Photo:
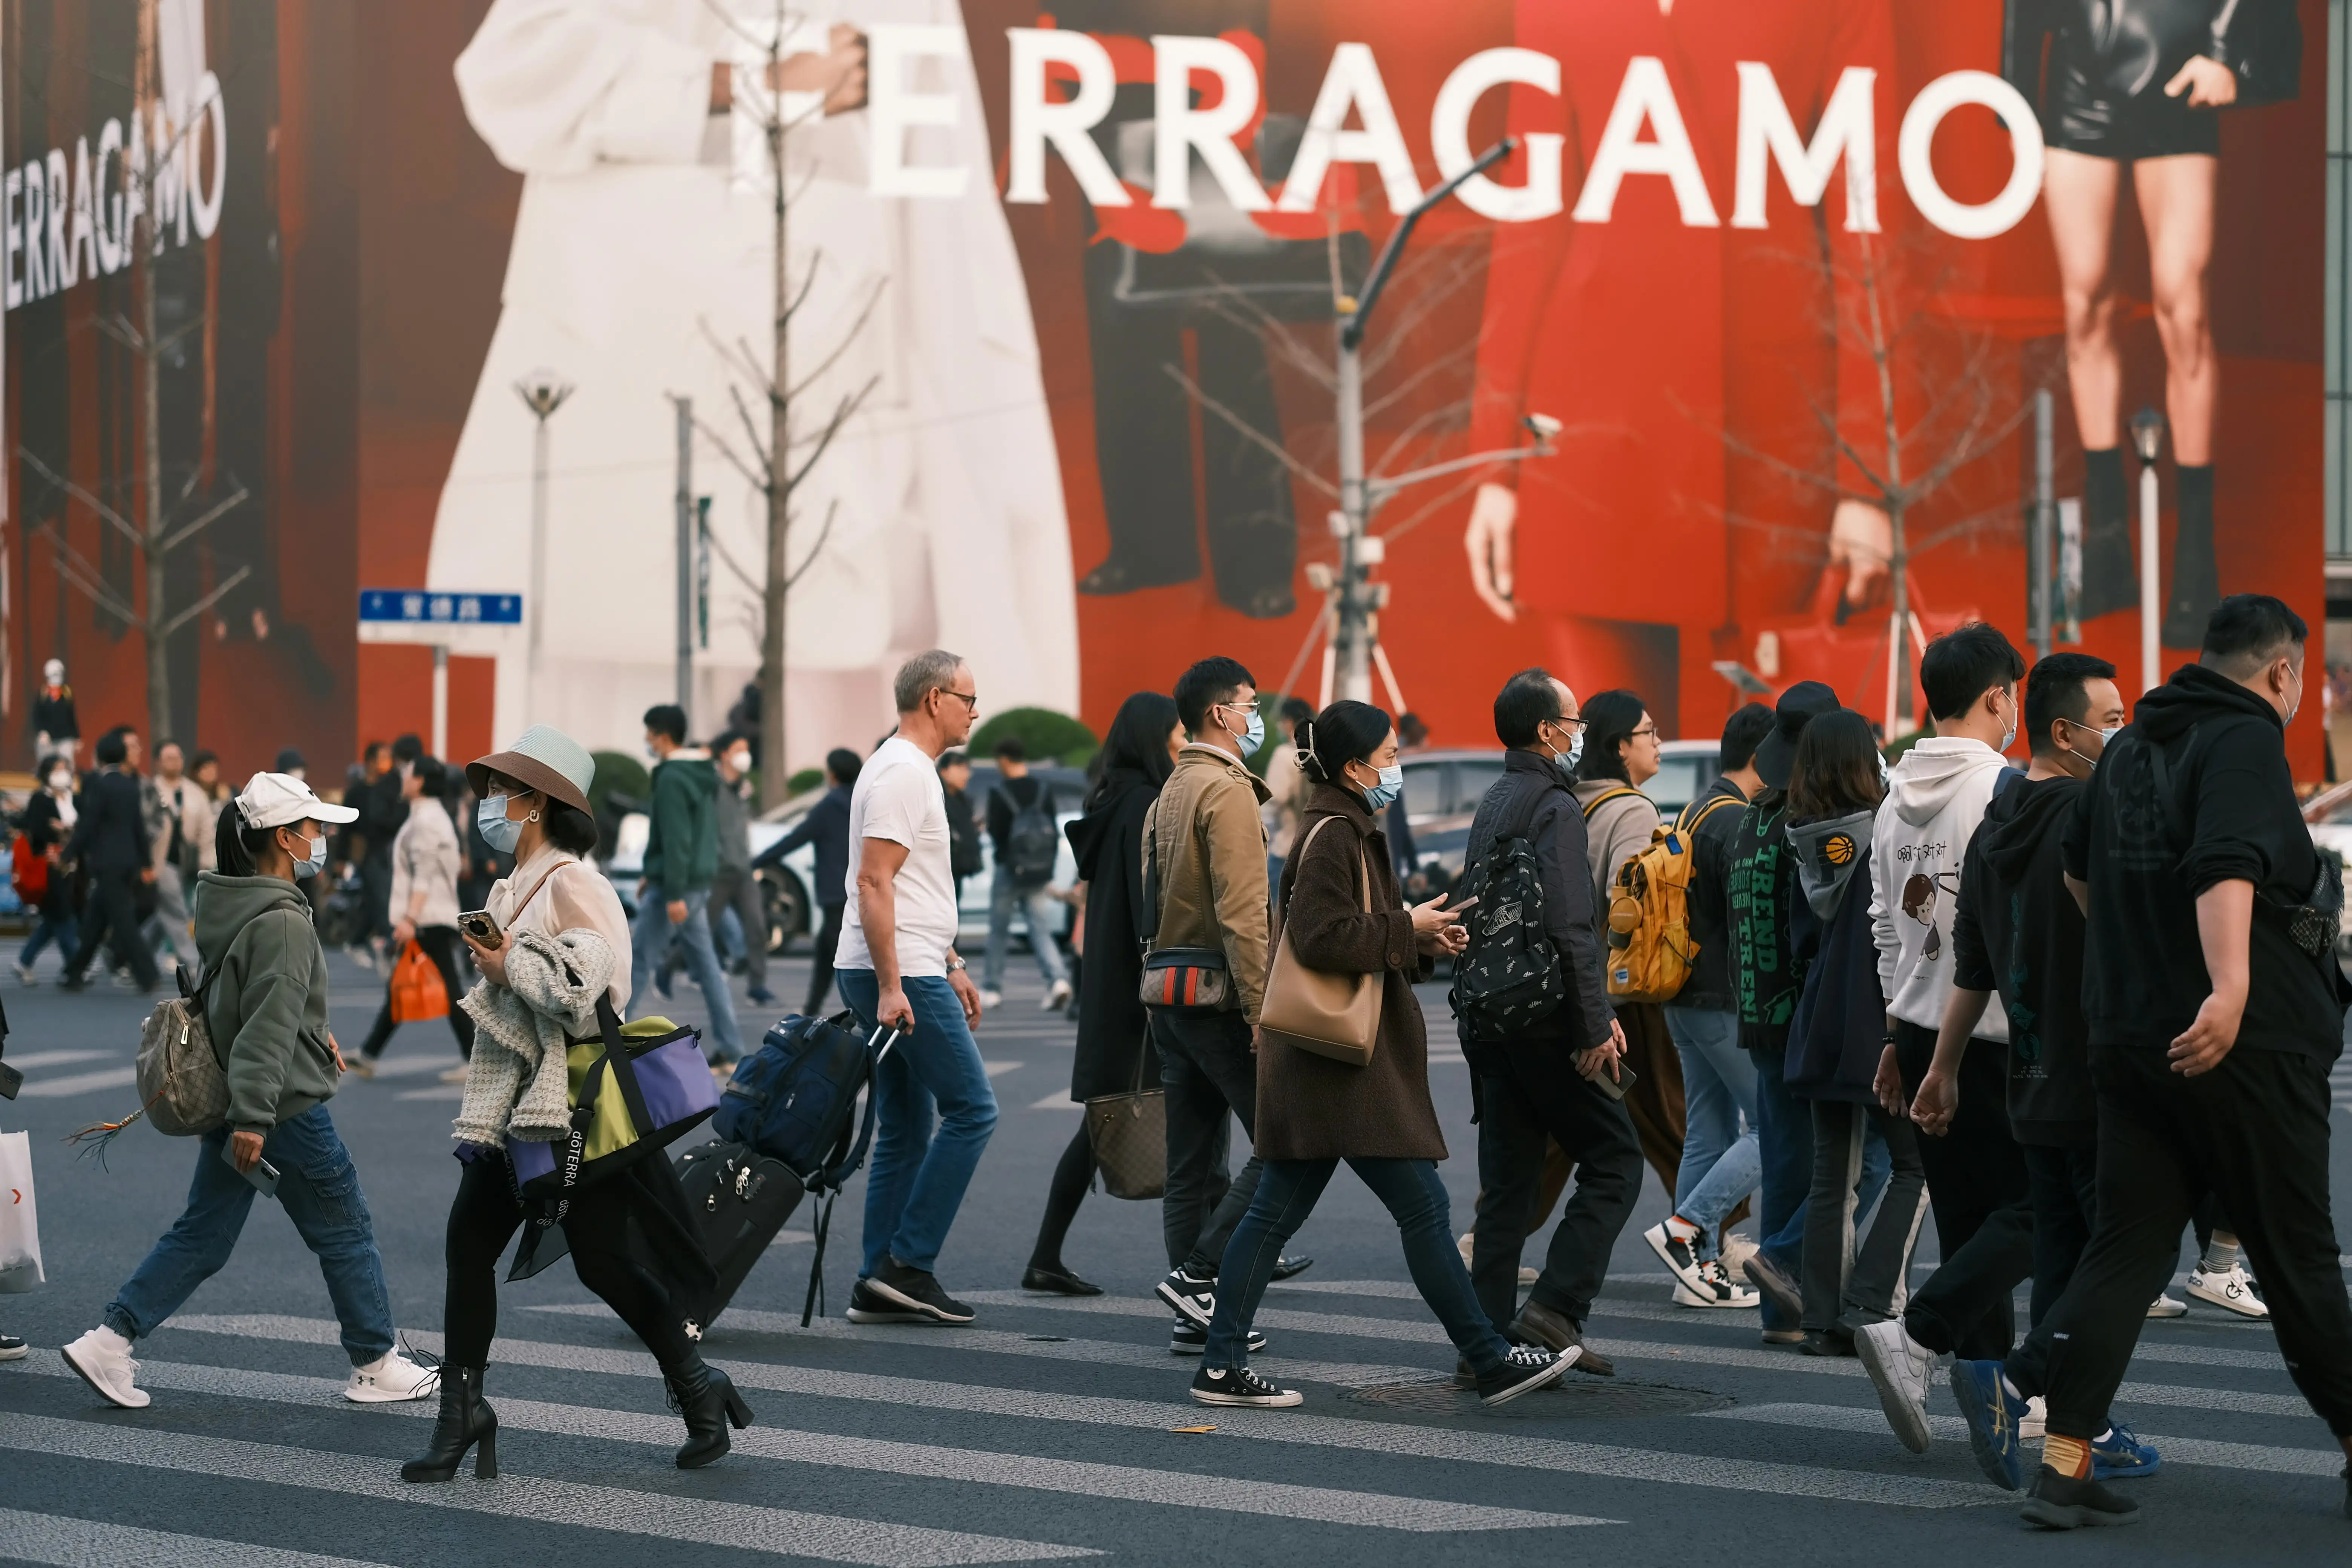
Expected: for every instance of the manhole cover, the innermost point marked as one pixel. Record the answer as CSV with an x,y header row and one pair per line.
x,y
1577,1398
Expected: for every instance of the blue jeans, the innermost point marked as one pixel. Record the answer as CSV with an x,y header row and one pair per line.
x,y
917,1181
1287,1193
322,1197
652,937
1721,1163
1784,1142
59,925
1038,904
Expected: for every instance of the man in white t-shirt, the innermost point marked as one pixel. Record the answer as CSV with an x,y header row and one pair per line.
x,y
898,965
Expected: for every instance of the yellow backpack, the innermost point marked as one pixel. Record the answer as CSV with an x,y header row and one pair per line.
x,y
1651,952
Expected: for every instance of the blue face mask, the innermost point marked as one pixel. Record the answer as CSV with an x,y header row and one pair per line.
x,y
1254,736
1383,793
498,832
306,870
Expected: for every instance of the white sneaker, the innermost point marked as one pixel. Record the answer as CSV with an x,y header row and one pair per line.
x,y
2230,1290
1527,1276
989,999
1722,1290
103,1359
389,1378
24,975
1900,1368
2168,1306
1736,1250
1058,997
2034,1425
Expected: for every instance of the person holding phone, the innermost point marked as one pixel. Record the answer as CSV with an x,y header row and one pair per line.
x,y
265,1000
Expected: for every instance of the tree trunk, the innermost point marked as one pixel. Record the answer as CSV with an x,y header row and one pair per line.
x,y
150,470
774,772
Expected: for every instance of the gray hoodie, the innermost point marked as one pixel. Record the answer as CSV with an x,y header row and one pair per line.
x,y
1823,864
1935,798
266,1006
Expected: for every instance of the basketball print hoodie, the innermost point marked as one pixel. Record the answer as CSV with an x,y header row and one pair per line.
x,y
1934,798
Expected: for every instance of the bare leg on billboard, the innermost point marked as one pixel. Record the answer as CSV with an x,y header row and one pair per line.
x,y
2079,191
2176,199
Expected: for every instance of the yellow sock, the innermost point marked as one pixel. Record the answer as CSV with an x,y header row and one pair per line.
x,y
2067,1455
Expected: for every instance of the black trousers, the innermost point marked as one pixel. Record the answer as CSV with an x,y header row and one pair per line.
x,y
484,1218
2065,1202
828,942
1983,1200
1530,1094
1842,1285
440,945
737,888
2253,1133
1210,1073
112,907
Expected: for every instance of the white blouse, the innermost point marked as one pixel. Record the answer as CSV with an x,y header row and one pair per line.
x,y
576,895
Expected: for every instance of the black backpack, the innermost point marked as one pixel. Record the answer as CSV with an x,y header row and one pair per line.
x,y
1509,975
1034,844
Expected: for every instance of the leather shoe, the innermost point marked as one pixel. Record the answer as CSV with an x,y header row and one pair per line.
x,y
1056,1281
1538,1324
1775,1285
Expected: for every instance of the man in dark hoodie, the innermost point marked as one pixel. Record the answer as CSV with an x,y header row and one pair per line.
x,y
682,858
2015,929
2215,1010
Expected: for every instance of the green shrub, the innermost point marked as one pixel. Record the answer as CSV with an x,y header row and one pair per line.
x,y
617,771
1046,735
802,781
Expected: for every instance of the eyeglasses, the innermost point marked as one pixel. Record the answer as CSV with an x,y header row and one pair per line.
x,y
970,700
1570,718
1637,735
1249,707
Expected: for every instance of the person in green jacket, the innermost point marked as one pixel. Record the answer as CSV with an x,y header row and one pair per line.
x,y
681,857
265,1001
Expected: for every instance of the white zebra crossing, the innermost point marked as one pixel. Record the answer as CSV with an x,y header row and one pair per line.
x,y
2256,1456
66,1543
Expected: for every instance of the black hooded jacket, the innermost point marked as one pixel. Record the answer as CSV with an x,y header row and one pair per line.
x,y
2017,930
2231,815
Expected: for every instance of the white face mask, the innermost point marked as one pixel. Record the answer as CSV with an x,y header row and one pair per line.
x,y
2008,736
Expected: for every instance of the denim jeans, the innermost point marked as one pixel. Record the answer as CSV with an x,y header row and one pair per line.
x,y
1784,1141
322,1197
651,939
1415,1198
917,1179
57,924
1038,904
1721,1163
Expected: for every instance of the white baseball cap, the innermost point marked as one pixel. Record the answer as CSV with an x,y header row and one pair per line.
x,y
273,800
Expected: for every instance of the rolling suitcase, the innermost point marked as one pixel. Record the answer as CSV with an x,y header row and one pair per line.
x,y
739,1198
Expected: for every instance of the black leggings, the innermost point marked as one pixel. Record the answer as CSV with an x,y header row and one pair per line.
x,y
827,943
440,945
1072,1175
485,1215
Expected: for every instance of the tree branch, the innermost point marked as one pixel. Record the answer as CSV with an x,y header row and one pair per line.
x,y
751,435
1250,433
847,338
747,365
81,495
716,439
207,602
841,415
728,556
212,514
809,560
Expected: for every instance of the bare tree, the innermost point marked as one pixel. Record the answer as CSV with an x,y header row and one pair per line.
x,y
776,454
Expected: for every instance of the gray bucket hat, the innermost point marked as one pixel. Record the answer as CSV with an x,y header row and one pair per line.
x,y
547,760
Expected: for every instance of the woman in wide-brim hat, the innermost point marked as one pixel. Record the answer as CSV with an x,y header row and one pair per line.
x,y
563,943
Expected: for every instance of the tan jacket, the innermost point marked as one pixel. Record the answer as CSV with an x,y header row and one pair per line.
x,y
1211,848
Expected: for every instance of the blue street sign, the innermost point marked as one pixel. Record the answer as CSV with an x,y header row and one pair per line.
x,y
419,606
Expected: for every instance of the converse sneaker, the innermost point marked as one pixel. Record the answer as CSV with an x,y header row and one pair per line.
x,y
1900,1367
103,1359
1189,1337
389,1378
2061,1502
1525,1368
2229,1290
1721,1290
1241,1387
2168,1306
1680,1256
2120,1455
918,1291
13,1349
869,1305
1191,1298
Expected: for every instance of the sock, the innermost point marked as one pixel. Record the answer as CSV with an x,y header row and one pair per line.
x,y
2011,1389
2106,499
1681,1229
2067,1455
2220,1257
2103,1436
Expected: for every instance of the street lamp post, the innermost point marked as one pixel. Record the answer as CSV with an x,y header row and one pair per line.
x,y
2147,439
542,392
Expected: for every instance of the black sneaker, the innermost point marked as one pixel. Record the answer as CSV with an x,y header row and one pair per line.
x,y
1524,1369
1241,1387
2061,1502
1190,1339
916,1290
1775,1286
868,1305
1828,1342
13,1349
1287,1266
1191,1298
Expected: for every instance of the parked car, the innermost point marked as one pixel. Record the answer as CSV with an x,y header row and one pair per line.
x,y
788,889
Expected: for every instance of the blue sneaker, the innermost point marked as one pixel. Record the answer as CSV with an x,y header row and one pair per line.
x,y
1992,1416
2119,1455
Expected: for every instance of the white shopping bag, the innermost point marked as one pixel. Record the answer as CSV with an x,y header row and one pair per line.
x,y
20,1225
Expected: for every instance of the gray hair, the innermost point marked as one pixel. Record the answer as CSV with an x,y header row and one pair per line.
x,y
927,672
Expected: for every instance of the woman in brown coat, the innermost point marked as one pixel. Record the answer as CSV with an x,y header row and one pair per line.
x,y
1341,915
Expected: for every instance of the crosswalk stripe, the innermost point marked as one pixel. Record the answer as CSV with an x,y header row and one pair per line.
x,y
78,1083
65,1542
785,1533
1178,1489
56,1058
411,1066
1952,1429
1395,1438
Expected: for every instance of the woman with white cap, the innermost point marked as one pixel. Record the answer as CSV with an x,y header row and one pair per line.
x,y
265,999
561,943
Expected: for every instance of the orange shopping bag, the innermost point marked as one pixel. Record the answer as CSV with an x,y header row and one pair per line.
x,y
417,993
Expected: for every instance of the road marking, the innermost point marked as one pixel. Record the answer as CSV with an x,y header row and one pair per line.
x,y
782,1239
56,1059
408,1066
79,1083
90,1543
784,1532
449,1091
1175,1488
997,1069
1396,1438
1058,1100
1952,1429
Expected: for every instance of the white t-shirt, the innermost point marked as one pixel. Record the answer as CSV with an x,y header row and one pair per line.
x,y
897,797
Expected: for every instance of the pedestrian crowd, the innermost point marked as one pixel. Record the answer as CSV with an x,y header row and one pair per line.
x,y
2071,1010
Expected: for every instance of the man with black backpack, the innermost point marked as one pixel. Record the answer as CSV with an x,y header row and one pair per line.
x,y
1027,838
1535,1025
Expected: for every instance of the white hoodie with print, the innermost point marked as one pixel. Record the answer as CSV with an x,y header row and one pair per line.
x,y
1935,799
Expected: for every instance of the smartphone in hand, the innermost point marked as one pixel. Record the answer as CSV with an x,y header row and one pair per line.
x,y
481,925
264,1175
1614,1087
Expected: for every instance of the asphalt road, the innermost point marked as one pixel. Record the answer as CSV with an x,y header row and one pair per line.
x,y
1049,1429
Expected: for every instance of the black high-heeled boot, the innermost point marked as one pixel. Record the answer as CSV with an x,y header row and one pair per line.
x,y
2196,579
709,1402
465,1420
2110,565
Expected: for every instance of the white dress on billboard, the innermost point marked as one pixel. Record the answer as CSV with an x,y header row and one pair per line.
x,y
637,243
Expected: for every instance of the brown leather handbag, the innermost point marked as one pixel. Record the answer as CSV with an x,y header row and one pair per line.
x,y
1129,1134
1334,1015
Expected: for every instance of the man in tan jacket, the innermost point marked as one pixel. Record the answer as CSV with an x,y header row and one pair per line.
x,y
1205,840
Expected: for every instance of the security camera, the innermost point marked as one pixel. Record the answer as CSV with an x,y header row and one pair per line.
x,y
1544,426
